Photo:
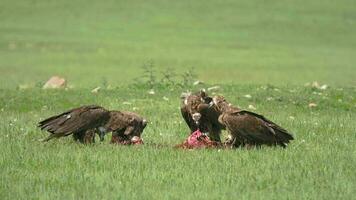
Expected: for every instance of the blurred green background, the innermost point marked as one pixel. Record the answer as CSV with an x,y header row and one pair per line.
x,y
261,53
258,42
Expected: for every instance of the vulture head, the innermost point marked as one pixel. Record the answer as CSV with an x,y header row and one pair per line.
x,y
133,131
126,127
196,104
139,125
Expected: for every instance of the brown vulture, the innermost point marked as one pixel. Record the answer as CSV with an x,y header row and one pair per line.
x,y
126,127
85,121
198,113
248,128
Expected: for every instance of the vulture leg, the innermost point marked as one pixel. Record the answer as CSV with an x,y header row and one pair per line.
x,y
78,136
89,137
85,137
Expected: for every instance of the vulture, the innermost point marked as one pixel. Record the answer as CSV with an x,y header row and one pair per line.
x,y
126,127
198,113
85,121
248,128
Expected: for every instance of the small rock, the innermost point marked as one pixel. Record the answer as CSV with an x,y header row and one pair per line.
x,y
248,96
324,87
312,105
152,92
251,107
269,98
315,84
55,82
214,88
165,98
185,95
96,90
291,117
198,83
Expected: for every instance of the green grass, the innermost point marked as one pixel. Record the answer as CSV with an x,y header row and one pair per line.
x,y
319,164
268,50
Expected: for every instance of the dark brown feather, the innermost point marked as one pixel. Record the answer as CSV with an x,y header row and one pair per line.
x,y
75,121
125,125
208,123
251,128
188,119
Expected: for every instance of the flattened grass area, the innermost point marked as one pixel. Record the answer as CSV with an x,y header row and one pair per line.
x,y
268,50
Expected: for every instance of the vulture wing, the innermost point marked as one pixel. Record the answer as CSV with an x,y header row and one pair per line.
x,y
118,121
211,114
255,128
125,125
188,119
75,120
282,133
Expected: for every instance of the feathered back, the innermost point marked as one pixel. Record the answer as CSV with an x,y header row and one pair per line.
x,y
281,133
122,119
75,120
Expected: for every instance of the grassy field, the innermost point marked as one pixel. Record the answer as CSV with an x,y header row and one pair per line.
x,y
319,164
267,50
233,41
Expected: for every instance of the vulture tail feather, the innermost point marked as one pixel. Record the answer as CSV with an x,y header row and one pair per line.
x,y
283,137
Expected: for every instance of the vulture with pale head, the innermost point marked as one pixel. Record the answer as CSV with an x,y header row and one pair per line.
x,y
248,128
85,121
198,113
